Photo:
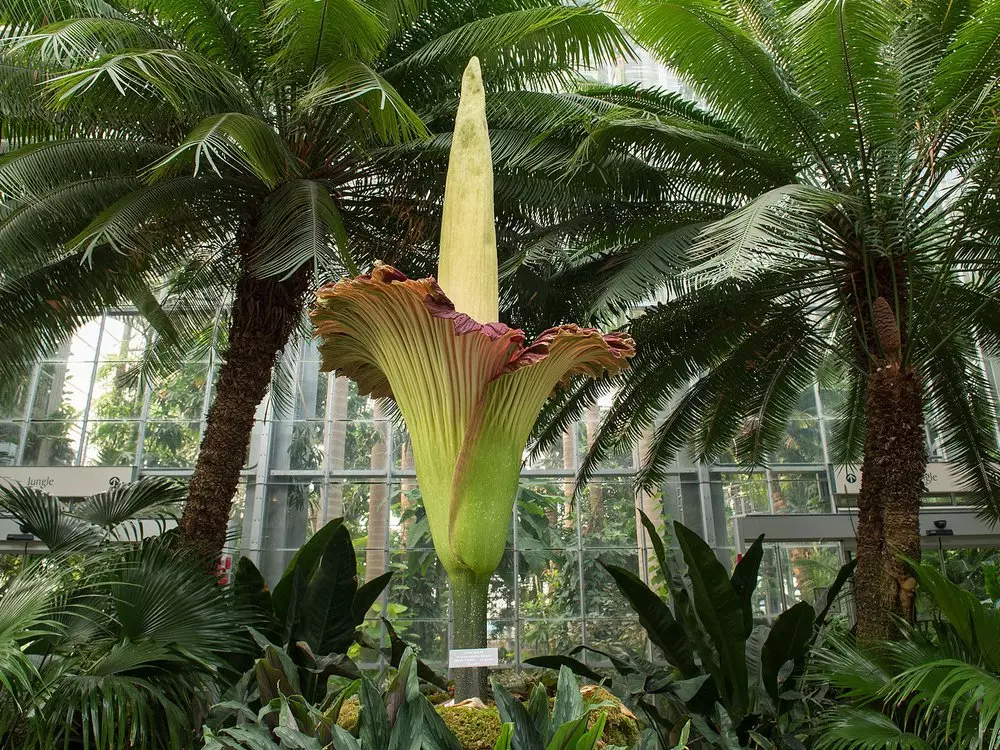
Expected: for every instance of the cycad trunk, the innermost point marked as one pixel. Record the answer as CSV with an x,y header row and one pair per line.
x,y
264,314
892,481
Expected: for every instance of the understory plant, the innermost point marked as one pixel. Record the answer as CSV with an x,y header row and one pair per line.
x,y
468,386
310,619
731,676
400,718
533,727
110,644
936,687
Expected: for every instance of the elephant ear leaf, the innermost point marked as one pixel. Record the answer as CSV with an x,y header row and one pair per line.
x,y
719,610
327,617
656,619
304,561
744,581
367,595
788,641
845,572
251,593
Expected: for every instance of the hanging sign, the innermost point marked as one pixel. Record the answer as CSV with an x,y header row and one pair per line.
x,y
67,481
939,479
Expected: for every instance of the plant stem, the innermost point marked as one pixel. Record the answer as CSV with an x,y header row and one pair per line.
x,y
468,614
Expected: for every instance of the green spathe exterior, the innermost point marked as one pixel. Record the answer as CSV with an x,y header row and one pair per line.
x,y
469,391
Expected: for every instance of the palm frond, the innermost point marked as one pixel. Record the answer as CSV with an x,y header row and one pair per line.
x,y
864,729
578,36
300,223
133,82
729,68
230,142
149,498
375,101
771,229
48,518
312,35
966,75
837,57
76,41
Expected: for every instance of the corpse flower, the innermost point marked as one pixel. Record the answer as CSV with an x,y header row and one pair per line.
x,y
469,388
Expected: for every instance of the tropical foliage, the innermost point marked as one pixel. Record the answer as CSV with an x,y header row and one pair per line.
x,y
832,218
126,644
731,676
939,686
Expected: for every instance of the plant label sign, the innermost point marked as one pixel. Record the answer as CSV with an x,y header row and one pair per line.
x,y
460,658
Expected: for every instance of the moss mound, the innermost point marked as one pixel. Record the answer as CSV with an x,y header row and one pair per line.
x,y
478,728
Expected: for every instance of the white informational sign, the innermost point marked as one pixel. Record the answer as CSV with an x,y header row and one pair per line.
x,y
939,479
459,658
67,481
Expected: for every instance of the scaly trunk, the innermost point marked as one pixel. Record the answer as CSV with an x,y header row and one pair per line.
x,y
264,314
468,617
892,481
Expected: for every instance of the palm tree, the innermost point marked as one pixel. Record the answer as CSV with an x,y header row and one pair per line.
x,y
247,152
122,638
833,216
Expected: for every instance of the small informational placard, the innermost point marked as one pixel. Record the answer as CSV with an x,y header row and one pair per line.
x,y
460,658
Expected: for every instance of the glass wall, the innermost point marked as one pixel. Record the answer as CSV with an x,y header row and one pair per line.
x,y
320,451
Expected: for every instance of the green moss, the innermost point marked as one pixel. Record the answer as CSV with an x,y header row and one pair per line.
x,y
476,728
348,717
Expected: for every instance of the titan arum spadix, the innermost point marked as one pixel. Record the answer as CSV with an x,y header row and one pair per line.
x,y
468,387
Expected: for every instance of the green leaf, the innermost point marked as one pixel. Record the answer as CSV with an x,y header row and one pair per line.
x,y
567,735
720,612
506,738
568,703
538,710
656,619
525,734
744,580
373,721
305,560
788,640
590,739
437,735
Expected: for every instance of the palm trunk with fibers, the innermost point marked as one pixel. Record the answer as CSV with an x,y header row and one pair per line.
x,y
469,596
378,495
264,314
892,481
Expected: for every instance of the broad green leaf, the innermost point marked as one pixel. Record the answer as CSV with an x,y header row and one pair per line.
x,y
720,612
744,580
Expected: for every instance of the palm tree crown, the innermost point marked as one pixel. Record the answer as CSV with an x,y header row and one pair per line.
x,y
833,217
